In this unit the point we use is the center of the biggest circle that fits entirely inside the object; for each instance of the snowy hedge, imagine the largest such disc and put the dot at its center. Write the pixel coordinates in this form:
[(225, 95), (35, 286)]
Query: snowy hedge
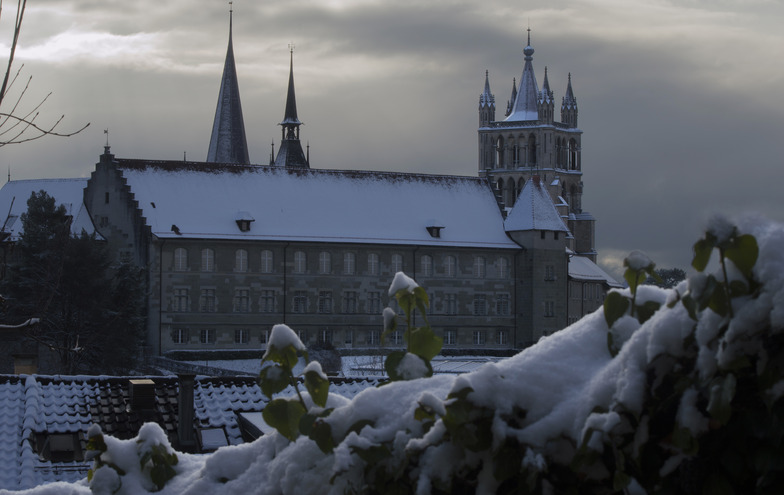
[(662, 391)]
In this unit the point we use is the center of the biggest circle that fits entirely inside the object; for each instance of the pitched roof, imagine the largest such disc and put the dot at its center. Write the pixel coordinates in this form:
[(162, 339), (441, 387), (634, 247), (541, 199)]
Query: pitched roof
[(68, 192), (525, 105), (534, 210), (202, 200), (32, 405), (227, 141), (582, 268)]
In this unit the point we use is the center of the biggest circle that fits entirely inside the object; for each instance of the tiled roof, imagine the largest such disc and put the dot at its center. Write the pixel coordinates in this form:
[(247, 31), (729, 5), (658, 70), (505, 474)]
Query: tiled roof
[(33, 406)]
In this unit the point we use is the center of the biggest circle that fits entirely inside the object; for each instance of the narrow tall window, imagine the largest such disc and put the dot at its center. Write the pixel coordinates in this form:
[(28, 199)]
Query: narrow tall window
[(181, 300), (502, 304), (480, 305), (207, 336), (299, 262), (503, 337), (349, 264), (325, 336), (549, 309), (503, 268), (264, 337), (207, 260), (180, 259), (479, 267), (180, 336), (325, 301), (373, 337), (427, 266), (325, 263), (479, 337), (241, 300), (241, 260), (207, 301), (241, 336), (450, 266), (397, 263), (350, 302), (266, 261), (450, 304), (299, 302), (374, 302), (267, 301), (372, 264), (450, 337)]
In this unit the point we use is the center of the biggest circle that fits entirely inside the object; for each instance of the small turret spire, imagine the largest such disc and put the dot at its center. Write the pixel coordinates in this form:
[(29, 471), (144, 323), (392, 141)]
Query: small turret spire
[(525, 104), (487, 98), (290, 153)]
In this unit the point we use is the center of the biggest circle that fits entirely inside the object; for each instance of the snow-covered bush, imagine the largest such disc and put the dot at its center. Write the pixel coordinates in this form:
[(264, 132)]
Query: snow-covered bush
[(661, 391)]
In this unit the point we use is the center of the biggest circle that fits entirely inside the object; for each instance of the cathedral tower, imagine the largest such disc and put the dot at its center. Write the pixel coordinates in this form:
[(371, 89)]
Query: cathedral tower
[(290, 153), (227, 142)]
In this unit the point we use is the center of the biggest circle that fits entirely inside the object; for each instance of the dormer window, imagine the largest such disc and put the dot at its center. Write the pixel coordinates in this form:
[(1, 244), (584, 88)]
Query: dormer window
[(434, 228), (243, 219)]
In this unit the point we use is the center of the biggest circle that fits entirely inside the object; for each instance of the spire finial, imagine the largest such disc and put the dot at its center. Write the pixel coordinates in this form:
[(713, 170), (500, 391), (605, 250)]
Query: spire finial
[(106, 146), (529, 33), (291, 47), (231, 16)]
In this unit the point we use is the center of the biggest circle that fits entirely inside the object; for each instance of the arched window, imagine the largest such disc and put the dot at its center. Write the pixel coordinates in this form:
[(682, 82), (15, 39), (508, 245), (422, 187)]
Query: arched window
[(240, 260), (266, 261), (325, 262), (520, 185), (499, 152), (479, 267), (299, 262), (427, 266), (372, 264), (511, 193), (503, 268), (572, 154), (207, 260), (180, 259), (397, 263), (450, 266), (349, 263), (500, 187), (531, 150)]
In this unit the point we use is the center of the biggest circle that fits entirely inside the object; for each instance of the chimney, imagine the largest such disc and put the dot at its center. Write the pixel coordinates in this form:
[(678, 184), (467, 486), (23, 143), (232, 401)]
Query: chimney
[(185, 413), (141, 393)]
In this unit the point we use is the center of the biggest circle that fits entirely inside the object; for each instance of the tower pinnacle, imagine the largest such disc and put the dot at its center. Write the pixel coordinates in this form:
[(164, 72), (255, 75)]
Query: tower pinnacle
[(290, 152)]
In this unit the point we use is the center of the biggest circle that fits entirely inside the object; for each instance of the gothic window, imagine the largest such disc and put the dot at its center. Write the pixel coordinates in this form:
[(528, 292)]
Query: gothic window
[(511, 193), (267, 301), (299, 262), (372, 264), (479, 267), (207, 302), (531, 150), (450, 266), (241, 260), (516, 155), (207, 260), (500, 188), (181, 301), (397, 263), (500, 149), (427, 265), (241, 336), (266, 261), (180, 259), (241, 300), (573, 154), (325, 263), (325, 302), (349, 263)]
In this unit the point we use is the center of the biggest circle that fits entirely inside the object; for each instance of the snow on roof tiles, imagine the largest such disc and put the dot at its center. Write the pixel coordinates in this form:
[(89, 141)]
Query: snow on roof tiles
[(534, 210), (314, 205), (581, 268), (68, 192)]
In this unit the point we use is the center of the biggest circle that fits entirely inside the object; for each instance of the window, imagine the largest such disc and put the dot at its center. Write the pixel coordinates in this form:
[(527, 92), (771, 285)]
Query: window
[(59, 447), (207, 260), (266, 261), (299, 262), (240, 260), (450, 304), (303, 336), (180, 259), (241, 336), (374, 337), (300, 302), (427, 266), (325, 336), (180, 336), (480, 306), (396, 338), (450, 337), (241, 300), (503, 337), (479, 337), (207, 336), (503, 268), (372, 264), (267, 301), (374, 302), (479, 267), (264, 337), (502, 304), (207, 302), (549, 309), (325, 263), (348, 339), (450, 266), (325, 301), (181, 300), (397, 263), (350, 302), (349, 263), (549, 272)]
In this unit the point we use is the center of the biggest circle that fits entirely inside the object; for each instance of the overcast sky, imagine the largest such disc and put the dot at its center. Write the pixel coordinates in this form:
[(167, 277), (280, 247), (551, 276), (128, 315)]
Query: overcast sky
[(679, 101)]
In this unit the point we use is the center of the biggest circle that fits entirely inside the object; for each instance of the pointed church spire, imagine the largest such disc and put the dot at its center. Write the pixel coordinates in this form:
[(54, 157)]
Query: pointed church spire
[(569, 99), (569, 106), (510, 103), (546, 87), (227, 142), (487, 98), (290, 152), (525, 105)]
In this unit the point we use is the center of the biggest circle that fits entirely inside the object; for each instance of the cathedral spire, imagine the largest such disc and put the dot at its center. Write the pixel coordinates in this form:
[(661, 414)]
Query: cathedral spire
[(290, 152), (227, 142), (525, 104), (569, 106), (487, 99)]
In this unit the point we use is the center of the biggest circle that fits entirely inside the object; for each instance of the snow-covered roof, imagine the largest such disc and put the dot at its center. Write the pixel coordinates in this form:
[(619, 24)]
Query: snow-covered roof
[(526, 104), (68, 192), (582, 268), (534, 210), (201, 201)]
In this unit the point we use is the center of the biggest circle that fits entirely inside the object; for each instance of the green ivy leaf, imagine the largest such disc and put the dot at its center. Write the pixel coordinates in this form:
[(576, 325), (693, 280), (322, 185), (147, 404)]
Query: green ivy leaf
[(284, 415), (391, 364), (702, 252), (691, 306), (611, 347), (318, 387), (646, 311), (287, 356), (357, 426), (372, 455), (615, 306), (634, 278), (273, 379), (719, 302), (422, 302), (406, 300), (318, 430), (425, 343), (743, 253)]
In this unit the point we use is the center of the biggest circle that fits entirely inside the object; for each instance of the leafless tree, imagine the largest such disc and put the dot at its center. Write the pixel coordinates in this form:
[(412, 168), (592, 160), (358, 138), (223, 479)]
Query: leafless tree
[(18, 125)]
